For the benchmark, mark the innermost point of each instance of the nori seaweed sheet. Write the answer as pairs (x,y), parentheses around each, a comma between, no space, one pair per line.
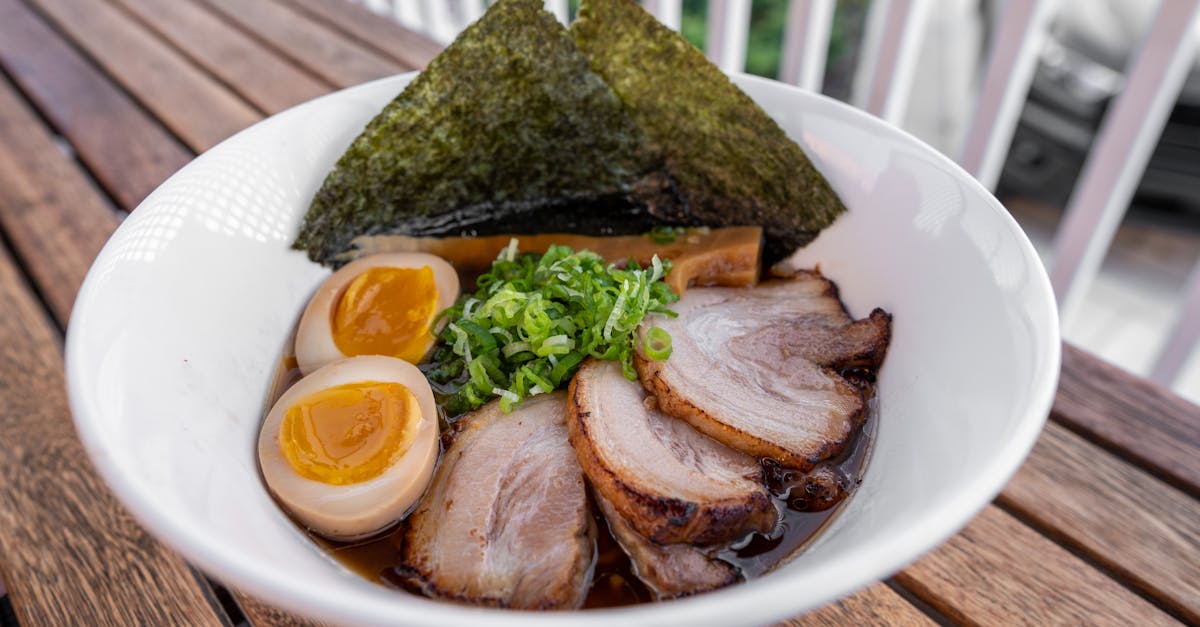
(732,163)
(506,127)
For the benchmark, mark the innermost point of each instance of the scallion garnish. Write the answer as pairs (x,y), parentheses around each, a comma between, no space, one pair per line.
(535,318)
(658,343)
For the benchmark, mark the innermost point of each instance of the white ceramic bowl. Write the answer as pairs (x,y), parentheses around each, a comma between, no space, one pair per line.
(184,314)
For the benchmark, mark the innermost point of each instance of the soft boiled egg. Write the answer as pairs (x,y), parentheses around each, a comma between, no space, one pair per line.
(350,448)
(378,305)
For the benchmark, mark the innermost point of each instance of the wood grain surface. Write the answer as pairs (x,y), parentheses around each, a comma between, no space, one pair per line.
(1137,418)
(328,53)
(193,104)
(241,62)
(876,605)
(58,223)
(71,555)
(123,147)
(1115,514)
(54,218)
(264,614)
(998,571)
(410,49)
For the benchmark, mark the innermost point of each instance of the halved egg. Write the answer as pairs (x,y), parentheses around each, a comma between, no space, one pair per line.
(350,448)
(377,305)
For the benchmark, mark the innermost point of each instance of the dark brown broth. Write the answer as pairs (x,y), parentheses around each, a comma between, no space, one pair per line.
(759,554)
(614,582)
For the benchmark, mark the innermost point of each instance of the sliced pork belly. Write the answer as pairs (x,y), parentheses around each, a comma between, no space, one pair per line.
(506,521)
(670,570)
(671,483)
(758,369)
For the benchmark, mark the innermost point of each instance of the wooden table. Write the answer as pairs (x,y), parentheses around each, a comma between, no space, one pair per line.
(101,100)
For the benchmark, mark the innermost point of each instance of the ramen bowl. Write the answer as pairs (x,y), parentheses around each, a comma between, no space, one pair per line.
(180,324)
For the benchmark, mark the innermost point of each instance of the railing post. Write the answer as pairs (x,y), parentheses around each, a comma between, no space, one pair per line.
(1127,136)
(806,43)
(1184,338)
(883,79)
(669,12)
(728,29)
(1010,68)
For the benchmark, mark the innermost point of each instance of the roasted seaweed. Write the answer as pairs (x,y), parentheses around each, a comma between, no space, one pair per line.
(731,162)
(506,127)
(514,129)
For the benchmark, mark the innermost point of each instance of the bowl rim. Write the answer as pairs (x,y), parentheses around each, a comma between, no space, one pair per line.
(765,599)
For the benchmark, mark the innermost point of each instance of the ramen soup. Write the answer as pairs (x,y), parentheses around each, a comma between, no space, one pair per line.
(550,371)
(697,447)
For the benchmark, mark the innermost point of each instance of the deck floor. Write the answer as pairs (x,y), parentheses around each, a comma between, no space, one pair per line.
(1134,302)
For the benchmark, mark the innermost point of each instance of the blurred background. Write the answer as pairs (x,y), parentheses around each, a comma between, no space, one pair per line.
(1129,310)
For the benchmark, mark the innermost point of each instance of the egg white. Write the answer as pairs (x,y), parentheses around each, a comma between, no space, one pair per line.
(315,346)
(355,511)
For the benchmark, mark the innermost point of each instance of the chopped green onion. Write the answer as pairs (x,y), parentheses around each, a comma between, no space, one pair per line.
(658,343)
(535,318)
(515,347)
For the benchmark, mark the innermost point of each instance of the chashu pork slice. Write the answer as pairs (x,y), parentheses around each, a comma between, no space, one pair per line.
(506,521)
(758,369)
(669,570)
(670,482)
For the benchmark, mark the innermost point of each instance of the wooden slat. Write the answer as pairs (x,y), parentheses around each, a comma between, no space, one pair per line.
(57,223)
(69,554)
(1139,420)
(410,49)
(258,74)
(998,572)
(328,53)
(877,605)
(1120,517)
(50,211)
(191,103)
(1122,148)
(79,222)
(127,151)
(261,614)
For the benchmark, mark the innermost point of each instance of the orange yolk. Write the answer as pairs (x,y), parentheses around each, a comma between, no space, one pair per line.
(387,311)
(349,433)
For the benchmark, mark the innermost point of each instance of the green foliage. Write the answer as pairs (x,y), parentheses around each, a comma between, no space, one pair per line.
(768,19)
(764,46)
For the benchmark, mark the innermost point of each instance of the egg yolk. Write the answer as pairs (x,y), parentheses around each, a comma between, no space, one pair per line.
(349,433)
(386,311)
